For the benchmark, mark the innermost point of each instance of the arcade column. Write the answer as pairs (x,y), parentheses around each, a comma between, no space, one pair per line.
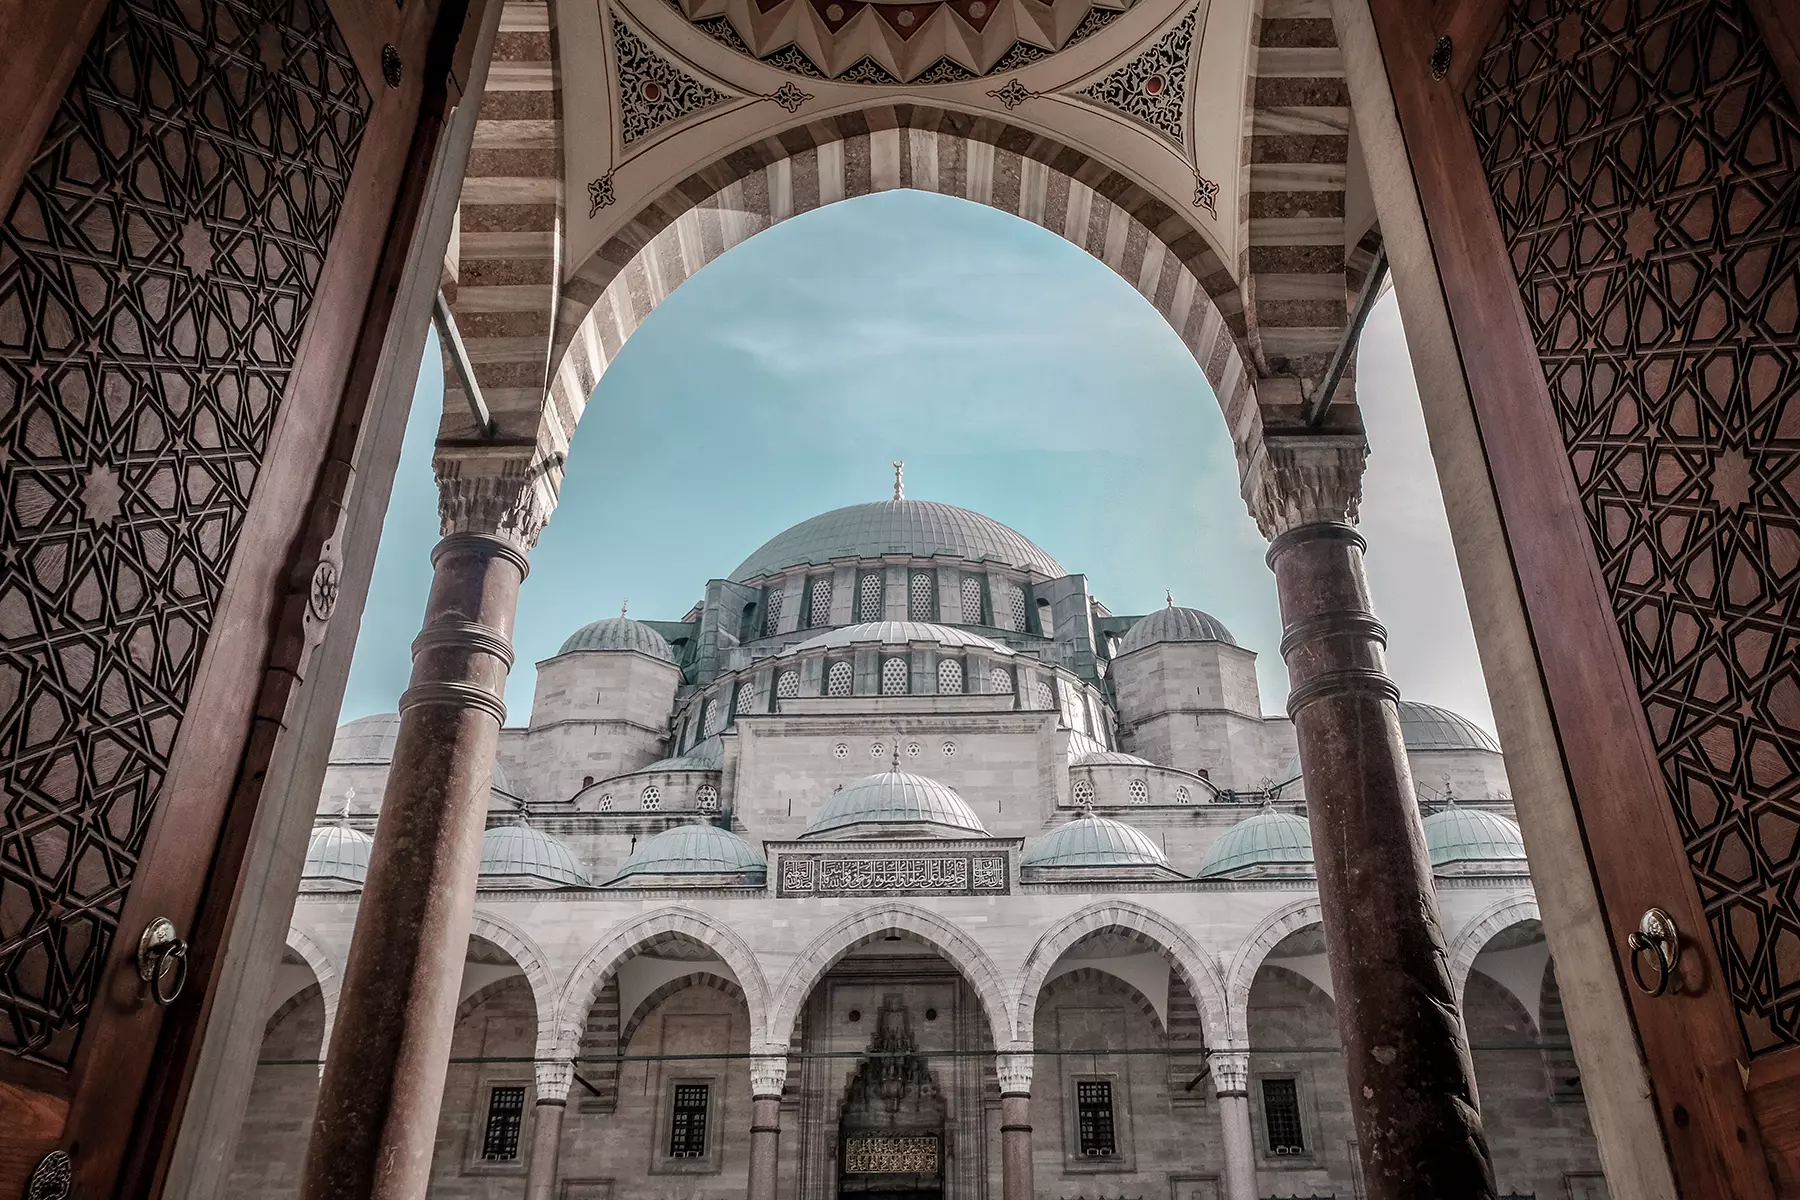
(553,1081)
(1014,1069)
(768,1075)
(1231,1082)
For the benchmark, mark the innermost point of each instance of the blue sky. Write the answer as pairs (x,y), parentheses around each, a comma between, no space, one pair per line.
(1013,373)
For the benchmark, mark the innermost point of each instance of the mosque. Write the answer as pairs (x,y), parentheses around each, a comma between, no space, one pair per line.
(901,825)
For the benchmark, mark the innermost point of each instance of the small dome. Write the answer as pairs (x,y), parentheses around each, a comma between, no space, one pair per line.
(517,851)
(914,528)
(337,853)
(1270,838)
(1112,758)
(1473,835)
(619,633)
(1090,841)
(900,633)
(694,850)
(1428,727)
(1174,624)
(907,805)
(366,739)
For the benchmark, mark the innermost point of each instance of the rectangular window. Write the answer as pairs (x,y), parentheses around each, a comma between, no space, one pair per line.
(506,1111)
(1094,1119)
(1281,1115)
(687,1124)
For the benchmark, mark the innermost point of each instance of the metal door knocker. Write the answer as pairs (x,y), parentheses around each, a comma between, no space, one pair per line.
(162,960)
(1657,937)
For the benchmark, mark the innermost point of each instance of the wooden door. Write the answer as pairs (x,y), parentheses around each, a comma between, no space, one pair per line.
(1613,197)
(207,203)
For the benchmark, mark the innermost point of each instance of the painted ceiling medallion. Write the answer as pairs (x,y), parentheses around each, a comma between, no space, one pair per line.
(891,42)
(1152,87)
(654,92)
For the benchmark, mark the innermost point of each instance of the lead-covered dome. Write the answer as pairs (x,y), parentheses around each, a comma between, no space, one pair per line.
(1270,842)
(914,528)
(519,855)
(894,804)
(370,741)
(1112,758)
(1091,841)
(1428,727)
(1470,836)
(337,854)
(1175,624)
(901,633)
(619,633)
(694,850)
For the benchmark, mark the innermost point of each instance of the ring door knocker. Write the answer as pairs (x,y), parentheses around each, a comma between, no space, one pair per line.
(1655,938)
(162,956)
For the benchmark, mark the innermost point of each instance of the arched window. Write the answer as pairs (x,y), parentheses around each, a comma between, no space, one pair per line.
(818,614)
(950,677)
(868,598)
(838,679)
(587,781)
(894,677)
(715,715)
(1140,792)
(746,698)
(1084,792)
(971,600)
(787,685)
(772,615)
(606,802)
(1183,796)
(652,798)
(1015,605)
(707,798)
(921,603)
(1000,681)
(1041,695)
(1046,619)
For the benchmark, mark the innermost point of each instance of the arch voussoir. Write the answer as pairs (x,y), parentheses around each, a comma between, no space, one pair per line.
(1473,937)
(1269,933)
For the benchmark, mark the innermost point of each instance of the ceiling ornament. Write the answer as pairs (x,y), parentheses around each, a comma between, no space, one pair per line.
(1206,194)
(1012,95)
(1152,87)
(653,92)
(600,194)
(886,43)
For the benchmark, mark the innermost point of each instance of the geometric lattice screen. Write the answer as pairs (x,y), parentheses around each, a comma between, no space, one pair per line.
(1644,161)
(156,272)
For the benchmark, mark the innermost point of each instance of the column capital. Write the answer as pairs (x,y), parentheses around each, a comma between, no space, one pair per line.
(1305,479)
(508,492)
(768,1073)
(1013,1065)
(553,1079)
(1230,1072)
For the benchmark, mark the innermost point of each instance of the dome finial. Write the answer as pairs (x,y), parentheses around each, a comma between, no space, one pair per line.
(344,817)
(623,605)
(899,484)
(1087,810)
(1169,596)
(895,764)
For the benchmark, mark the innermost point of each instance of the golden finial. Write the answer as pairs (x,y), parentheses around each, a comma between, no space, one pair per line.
(899,485)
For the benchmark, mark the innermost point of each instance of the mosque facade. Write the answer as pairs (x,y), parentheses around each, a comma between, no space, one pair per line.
(902,826)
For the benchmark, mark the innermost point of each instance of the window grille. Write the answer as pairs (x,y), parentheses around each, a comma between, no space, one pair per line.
(877,749)
(1041,695)
(1140,792)
(1183,796)
(687,1121)
(1084,792)
(868,598)
(971,600)
(1094,1118)
(1015,598)
(787,685)
(746,698)
(505,1114)
(1281,1116)
(950,677)
(818,613)
(841,750)
(715,716)
(707,798)
(652,798)
(1000,681)
(922,597)
(606,802)
(772,615)
(893,677)
(838,680)
(949,749)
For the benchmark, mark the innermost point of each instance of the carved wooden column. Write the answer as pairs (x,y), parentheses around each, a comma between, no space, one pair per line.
(1014,1069)
(1231,1082)
(553,1081)
(376,1122)
(768,1075)
(1412,1085)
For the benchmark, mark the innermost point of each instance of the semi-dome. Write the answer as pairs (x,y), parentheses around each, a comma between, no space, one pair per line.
(1270,839)
(901,633)
(1175,624)
(337,854)
(894,804)
(913,528)
(1091,841)
(619,633)
(698,849)
(1428,727)
(517,852)
(1112,758)
(1472,835)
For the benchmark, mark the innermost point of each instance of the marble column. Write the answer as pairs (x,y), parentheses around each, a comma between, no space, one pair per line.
(768,1075)
(553,1081)
(1014,1069)
(375,1126)
(1412,1084)
(1231,1083)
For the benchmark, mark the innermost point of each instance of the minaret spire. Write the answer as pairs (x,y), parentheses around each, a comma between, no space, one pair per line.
(899,484)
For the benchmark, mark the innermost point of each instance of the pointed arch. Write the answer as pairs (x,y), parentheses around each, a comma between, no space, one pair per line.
(1268,934)
(863,927)
(1196,967)
(646,1006)
(1470,940)
(325,974)
(532,963)
(638,936)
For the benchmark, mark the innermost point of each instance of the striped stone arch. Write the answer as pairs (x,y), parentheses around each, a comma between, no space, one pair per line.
(1268,934)
(1496,919)
(325,974)
(863,927)
(1153,246)
(646,1006)
(1100,980)
(1155,931)
(532,964)
(482,995)
(643,935)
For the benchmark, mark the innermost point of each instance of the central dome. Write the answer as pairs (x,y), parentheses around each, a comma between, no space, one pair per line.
(914,528)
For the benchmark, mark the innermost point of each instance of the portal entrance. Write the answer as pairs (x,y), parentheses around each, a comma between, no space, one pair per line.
(891,1126)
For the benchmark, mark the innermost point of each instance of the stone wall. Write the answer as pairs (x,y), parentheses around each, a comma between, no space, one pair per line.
(498,1022)
(271,1148)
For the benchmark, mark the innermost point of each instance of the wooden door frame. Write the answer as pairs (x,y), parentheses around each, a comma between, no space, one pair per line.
(1662,1074)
